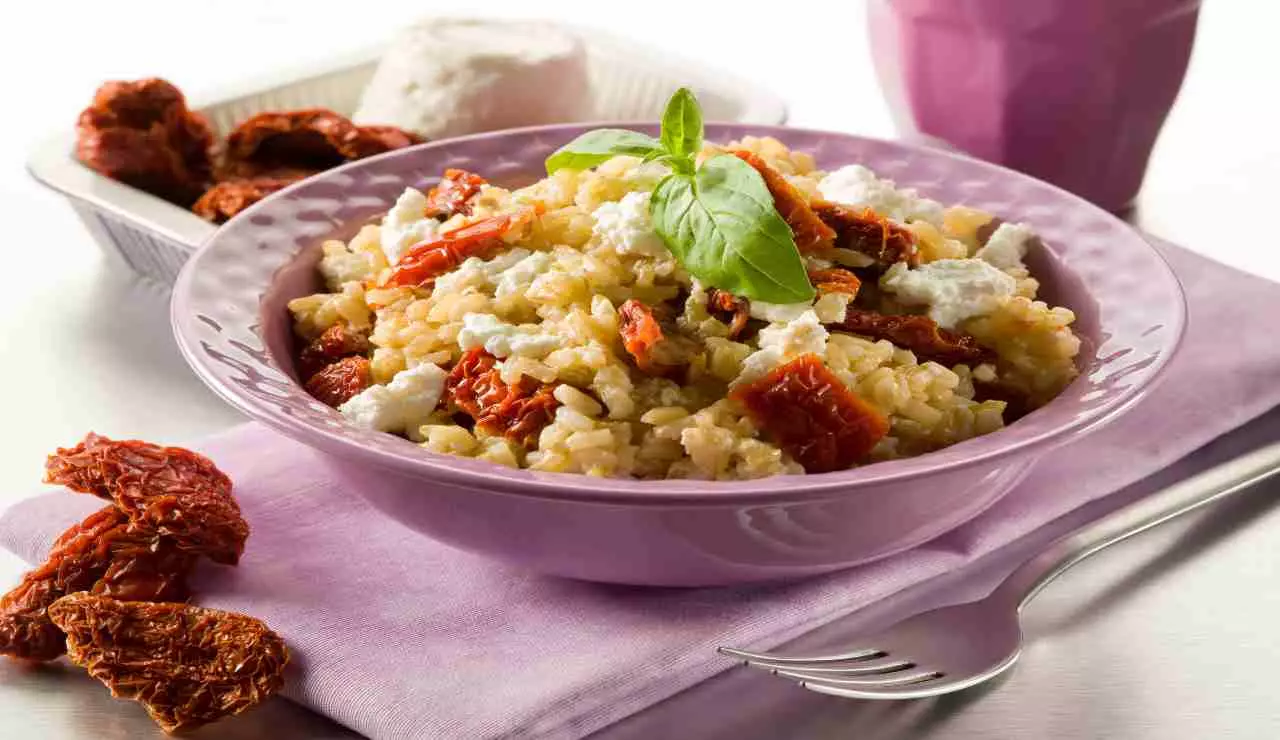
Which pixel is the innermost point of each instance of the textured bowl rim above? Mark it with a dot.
(583, 488)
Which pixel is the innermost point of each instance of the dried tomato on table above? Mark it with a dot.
(314, 139)
(186, 665)
(657, 349)
(104, 554)
(76, 562)
(142, 134)
(229, 197)
(811, 234)
(453, 194)
(371, 140)
(518, 412)
(173, 491)
(869, 233)
(808, 412)
(338, 382)
(920, 334)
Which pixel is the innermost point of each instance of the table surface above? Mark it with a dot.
(1170, 637)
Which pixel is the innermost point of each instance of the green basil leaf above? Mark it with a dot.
(682, 126)
(723, 227)
(599, 146)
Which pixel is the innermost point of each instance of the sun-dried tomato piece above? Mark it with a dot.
(920, 334)
(657, 349)
(730, 309)
(470, 384)
(229, 197)
(454, 193)
(517, 412)
(76, 562)
(835, 280)
(142, 134)
(335, 343)
(371, 140)
(187, 665)
(105, 554)
(520, 417)
(314, 139)
(339, 381)
(811, 234)
(812, 416)
(145, 567)
(869, 233)
(430, 259)
(172, 491)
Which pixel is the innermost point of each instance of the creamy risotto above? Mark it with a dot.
(552, 328)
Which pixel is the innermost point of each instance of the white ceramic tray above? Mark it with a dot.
(154, 238)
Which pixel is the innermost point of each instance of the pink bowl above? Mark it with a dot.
(230, 321)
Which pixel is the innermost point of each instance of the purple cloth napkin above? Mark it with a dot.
(397, 636)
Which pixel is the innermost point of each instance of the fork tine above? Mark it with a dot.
(772, 658)
(861, 668)
(896, 679)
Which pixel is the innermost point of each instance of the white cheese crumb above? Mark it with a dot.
(782, 342)
(445, 77)
(517, 278)
(830, 307)
(401, 405)
(856, 185)
(625, 225)
(477, 273)
(406, 224)
(777, 312)
(954, 290)
(1007, 246)
(501, 339)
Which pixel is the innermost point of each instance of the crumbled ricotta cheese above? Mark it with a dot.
(518, 277)
(777, 312)
(501, 339)
(802, 335)
(954, 290)
(1006, 246)
(781, 342)
(625, 226)
(406, 224)
(856, 185)
(830, 307)
(401, 405)
(477, 273)
(445, 77)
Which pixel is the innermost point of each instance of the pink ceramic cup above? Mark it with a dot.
(1070, 91)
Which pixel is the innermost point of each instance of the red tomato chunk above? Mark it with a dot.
(812, 416)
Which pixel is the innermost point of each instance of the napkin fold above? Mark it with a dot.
(397, 636)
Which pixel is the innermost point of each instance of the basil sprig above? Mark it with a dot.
(599, 146)
(719, 219)
(682, 130)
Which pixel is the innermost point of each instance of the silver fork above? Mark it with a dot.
(959, 646)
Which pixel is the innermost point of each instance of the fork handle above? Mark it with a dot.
(1185, 496)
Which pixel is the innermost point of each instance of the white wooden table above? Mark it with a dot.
(1171, 637)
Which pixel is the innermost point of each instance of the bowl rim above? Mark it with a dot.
(579, 487)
